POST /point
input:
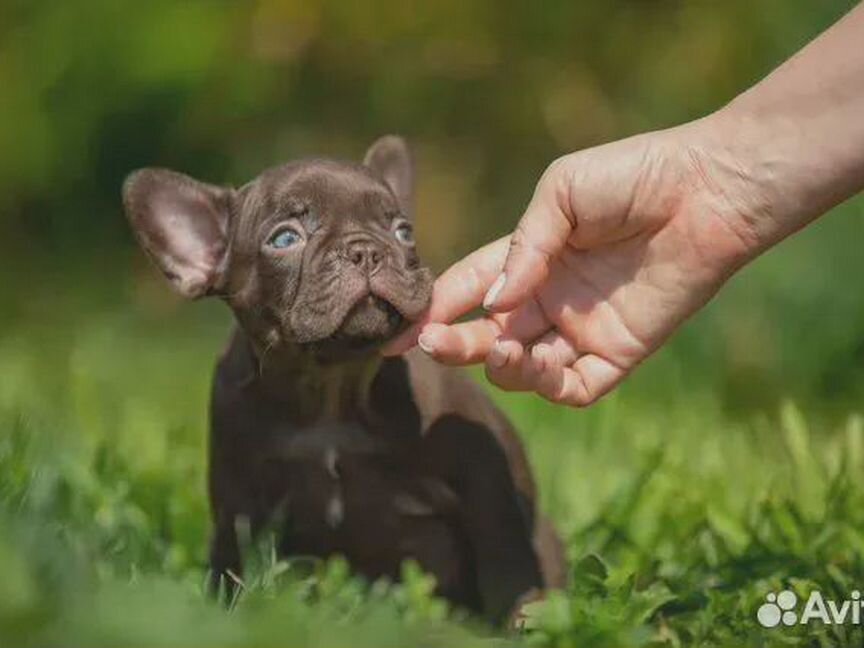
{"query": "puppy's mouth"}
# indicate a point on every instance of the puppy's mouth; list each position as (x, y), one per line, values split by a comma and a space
(364, 313)
(371, 319)
(369, 323)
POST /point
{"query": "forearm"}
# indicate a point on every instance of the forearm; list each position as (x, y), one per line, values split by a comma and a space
(793, 145)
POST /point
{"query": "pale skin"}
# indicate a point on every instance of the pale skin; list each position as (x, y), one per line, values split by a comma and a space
(621, 243)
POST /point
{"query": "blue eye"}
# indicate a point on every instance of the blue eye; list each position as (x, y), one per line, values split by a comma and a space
(404, 233)
(284, 239)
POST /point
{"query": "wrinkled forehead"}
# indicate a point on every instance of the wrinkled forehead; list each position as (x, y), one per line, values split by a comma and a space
(329, 191)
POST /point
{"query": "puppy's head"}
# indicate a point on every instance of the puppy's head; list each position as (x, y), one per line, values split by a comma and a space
(317, 255)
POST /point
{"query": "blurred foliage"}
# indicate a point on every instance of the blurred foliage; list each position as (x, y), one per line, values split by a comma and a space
(488, 92)
(685, 497)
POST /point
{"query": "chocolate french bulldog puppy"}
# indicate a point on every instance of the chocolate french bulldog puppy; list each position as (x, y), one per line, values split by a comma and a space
(379, 460)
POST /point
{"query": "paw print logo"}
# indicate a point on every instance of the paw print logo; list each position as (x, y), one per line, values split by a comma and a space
(779, 607)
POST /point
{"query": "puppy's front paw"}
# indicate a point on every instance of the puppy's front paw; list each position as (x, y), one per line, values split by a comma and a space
(521, 617)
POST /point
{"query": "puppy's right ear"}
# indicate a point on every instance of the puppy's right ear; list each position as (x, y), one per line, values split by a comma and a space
(183, 226)
(390, 158)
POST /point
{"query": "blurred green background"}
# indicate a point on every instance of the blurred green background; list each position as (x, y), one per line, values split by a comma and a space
(104, 373)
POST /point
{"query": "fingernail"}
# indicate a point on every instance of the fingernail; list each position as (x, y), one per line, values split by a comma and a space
(426, 344)
(540, 356)
(492, 295)
(497, 358)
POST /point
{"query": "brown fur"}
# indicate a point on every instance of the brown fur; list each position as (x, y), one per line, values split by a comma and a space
(380, 460)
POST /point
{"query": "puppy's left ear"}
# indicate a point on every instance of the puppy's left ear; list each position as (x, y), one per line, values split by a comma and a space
(390, 158)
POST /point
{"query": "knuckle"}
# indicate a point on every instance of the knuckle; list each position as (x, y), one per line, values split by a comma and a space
(579, 398)
(519, 239)
(523, 243)
(501, 378)
(467, 354)
(548, 386)
(558, 168)
(577, 393)
(473, 283)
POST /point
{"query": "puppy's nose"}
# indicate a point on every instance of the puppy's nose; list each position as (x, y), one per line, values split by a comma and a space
(366, 255)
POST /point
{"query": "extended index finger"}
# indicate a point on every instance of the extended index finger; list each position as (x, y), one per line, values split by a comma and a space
(459, 290)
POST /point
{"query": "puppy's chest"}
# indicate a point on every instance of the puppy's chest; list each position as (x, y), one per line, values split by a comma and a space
(344, 490)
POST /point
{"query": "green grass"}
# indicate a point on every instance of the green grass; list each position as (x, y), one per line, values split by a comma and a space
(684, 498)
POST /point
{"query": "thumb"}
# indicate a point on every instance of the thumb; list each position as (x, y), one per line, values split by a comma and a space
(541, 234)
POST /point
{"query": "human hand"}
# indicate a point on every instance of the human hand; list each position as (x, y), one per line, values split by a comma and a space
(618, 246)
(621, 243)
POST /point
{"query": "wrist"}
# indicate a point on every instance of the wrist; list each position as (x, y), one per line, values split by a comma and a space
(739, 176)
(727, 197)
(785, 162)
